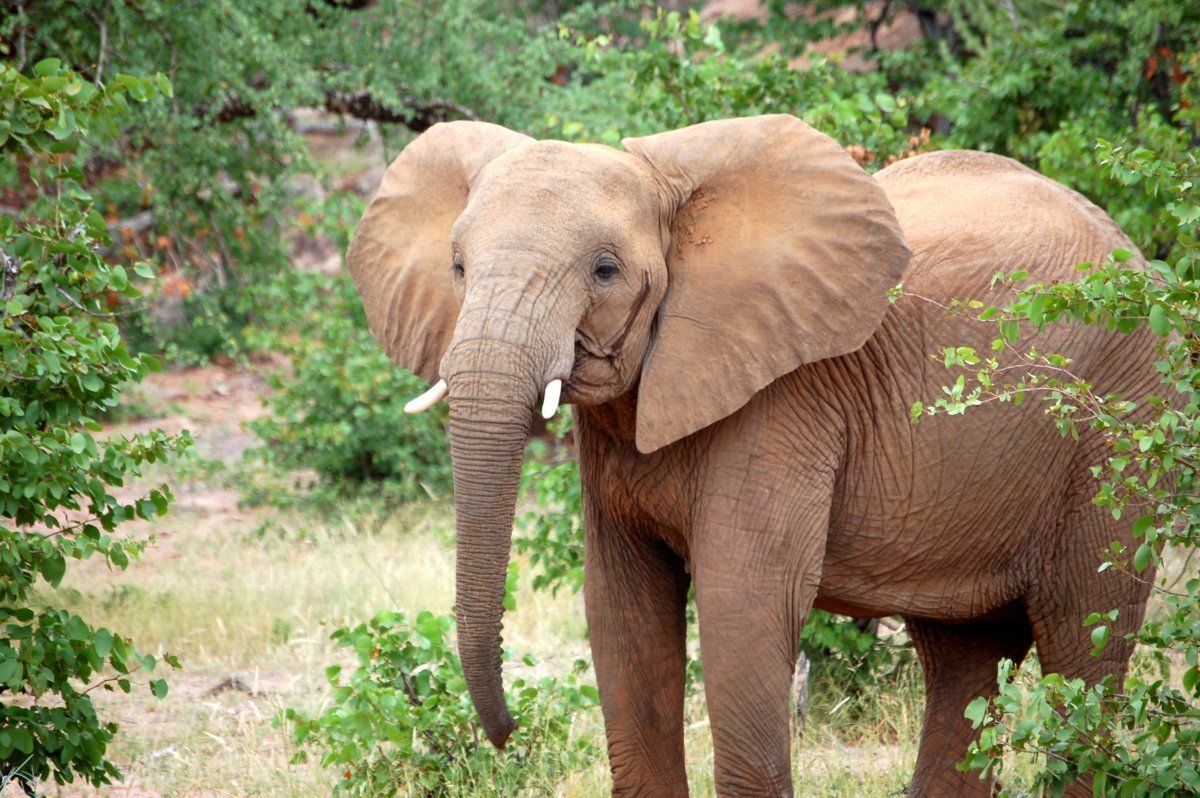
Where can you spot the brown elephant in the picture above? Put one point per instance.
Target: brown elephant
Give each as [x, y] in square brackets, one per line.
[713, 301]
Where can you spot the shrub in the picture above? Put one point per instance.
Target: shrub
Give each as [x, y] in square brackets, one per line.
[682, 71]
[403, 723]
[63, 364]
[848, 659]
[339, 412]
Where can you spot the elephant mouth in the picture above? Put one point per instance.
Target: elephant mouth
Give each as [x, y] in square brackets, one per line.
[587, 358]
[596, 364]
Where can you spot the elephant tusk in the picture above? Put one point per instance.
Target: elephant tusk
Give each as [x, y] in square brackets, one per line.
[428, 399]
[550, 402]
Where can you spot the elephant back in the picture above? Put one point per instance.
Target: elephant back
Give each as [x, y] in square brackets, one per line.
[968, 215]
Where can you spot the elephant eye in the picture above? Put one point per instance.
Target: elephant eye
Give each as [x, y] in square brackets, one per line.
[606, 268]
[457, 269]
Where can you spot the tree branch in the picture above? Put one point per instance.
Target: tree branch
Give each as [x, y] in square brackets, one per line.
[414, 113]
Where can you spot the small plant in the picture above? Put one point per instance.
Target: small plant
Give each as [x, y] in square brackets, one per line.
[850, 660]
[403, 723]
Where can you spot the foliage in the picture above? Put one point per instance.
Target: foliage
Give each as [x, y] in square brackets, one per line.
[339, 410]
[64, 363]
[1042, 80]
[682, 72]
[1139, 737]
[403, 722]
[553, 539]
[1025, 70]
[215, 169]
[847, 658]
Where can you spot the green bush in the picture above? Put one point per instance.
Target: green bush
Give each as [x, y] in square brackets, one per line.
[339, 411]
[1043, 81]
[63, 364]
[847, 659]
[403, 723]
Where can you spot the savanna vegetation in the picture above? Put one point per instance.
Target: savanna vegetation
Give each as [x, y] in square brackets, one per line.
[168, 195]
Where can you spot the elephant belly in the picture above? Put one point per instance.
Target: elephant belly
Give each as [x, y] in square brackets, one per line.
[954, 536]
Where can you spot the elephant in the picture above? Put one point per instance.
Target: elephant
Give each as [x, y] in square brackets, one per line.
[714, 302]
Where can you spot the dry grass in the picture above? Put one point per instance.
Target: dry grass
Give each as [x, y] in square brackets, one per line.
[249, 613]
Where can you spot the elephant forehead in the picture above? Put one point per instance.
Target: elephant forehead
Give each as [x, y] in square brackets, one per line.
[554, 176]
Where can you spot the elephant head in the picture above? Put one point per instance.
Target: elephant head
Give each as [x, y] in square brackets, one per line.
[695, 267]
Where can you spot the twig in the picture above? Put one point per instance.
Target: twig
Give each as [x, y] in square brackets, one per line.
[99, 20]
[24, 23]
[415, 114]
[97, 314]
[11, 270]
[116, 678]
[362, 105]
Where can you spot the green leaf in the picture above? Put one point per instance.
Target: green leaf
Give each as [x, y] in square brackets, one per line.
[11, 669]
[159, 688]
[1159, 321]
[53, 567]
[1143, 524]
[102, 641]
[47, 66]
[976, 711]
[1141, 558]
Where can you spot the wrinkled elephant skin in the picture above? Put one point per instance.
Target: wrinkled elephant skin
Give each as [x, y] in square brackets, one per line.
[714, 300]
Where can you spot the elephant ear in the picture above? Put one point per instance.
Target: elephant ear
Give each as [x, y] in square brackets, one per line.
[782, 251]
[400, 254]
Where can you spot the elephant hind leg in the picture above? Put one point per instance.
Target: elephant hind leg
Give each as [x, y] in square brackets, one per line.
[1072, 587]
[960, 662]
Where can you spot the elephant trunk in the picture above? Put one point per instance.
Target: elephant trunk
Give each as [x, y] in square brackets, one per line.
[489, 424]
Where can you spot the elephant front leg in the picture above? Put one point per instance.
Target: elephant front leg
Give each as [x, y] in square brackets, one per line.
[635, 592]
[754, 589]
